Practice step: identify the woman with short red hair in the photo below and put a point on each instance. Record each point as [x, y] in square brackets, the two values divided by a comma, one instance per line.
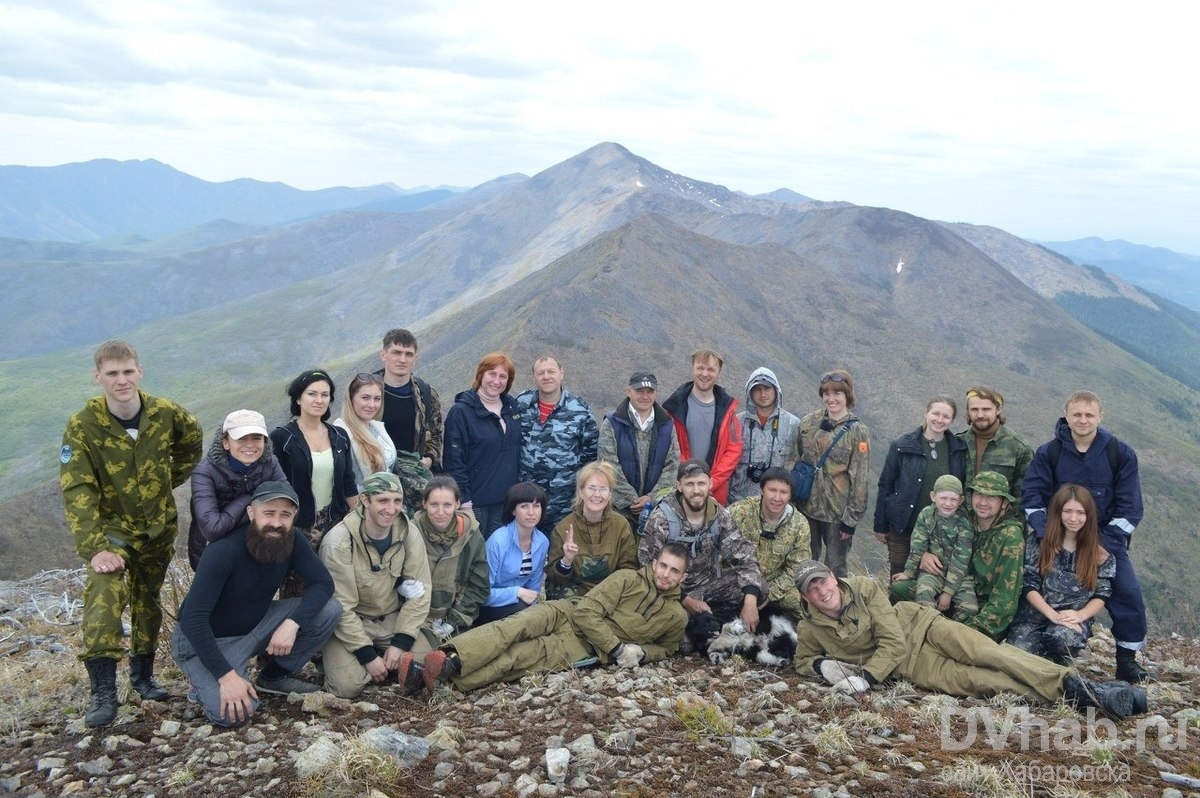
[483, 441]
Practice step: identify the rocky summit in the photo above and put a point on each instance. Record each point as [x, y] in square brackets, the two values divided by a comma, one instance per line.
[679, 728]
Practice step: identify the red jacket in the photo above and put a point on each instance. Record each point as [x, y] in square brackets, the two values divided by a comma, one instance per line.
[725, 446]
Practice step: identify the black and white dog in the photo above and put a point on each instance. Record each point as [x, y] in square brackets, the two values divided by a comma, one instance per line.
[774, 644]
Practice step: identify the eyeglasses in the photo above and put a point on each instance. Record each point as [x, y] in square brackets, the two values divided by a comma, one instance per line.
[597, 490]
[366, 376]
[834, 376]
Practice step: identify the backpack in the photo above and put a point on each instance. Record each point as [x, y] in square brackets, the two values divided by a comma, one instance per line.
[675, 533]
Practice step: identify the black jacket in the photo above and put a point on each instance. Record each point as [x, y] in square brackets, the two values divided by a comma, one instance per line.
[901, 480]
[296, 460]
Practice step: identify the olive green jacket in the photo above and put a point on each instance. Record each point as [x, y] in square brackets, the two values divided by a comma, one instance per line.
[117, 490]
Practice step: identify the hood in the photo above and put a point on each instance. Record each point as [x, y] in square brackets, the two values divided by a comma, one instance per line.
[763, 375]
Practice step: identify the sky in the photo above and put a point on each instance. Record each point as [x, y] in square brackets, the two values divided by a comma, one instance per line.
[1052, 121]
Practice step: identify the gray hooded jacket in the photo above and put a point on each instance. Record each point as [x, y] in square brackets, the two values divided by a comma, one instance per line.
[766, 445]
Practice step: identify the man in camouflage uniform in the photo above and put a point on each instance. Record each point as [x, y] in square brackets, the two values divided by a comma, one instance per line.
[996, 566]
[991, 446]
[121, 457]
[779, 533]
[723, 576]
[559, 435]
[638, 438]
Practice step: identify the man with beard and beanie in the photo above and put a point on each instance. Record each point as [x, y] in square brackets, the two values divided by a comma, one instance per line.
[381, 577]
[229, 614]
[723, 574]
[631, 618]
[768, 435]
[121, 456]
[991, 446]
[853, 638]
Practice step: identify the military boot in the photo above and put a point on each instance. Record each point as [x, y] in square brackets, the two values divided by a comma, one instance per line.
[1128, 669]
[1115, 699]
[102, 709]
[141, 678]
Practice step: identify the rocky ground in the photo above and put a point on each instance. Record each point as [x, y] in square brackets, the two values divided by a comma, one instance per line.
[680, 728]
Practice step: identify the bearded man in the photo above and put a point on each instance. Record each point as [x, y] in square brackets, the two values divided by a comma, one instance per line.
[229, 615]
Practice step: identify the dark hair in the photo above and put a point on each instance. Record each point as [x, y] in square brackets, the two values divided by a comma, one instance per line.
[521, 493]
[297, 387]
[441, 482]
[679, 550]
[777, 474]
[399, 336]
[941, 399]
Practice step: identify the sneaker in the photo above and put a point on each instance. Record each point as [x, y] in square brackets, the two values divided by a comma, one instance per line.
[410, 675]
[440, 668]
[284, 685]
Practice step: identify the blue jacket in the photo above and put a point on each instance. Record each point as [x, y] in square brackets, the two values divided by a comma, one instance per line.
[1118, 496]
[900, 481]
[484, 459]
[627, 450]
[504, 565]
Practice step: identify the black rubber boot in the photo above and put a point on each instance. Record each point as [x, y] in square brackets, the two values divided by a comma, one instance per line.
[1128, 669]
[141, 678]
[1115, 699]
[102, 709]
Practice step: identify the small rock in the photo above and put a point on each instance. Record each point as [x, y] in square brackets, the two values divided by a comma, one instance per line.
[169, 728]
[404, 748]
[741, 748]
[557, 760]
[97, 767]
[50, 762]
[254, 735]
[317, 758]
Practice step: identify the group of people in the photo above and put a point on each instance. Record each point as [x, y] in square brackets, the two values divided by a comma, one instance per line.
[518, 534]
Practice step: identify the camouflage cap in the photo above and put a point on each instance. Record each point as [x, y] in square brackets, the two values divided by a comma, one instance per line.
[948, 482]
[991, 483]
[382, 482]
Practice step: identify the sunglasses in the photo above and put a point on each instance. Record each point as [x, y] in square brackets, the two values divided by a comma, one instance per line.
[366, 376]
[834, 376]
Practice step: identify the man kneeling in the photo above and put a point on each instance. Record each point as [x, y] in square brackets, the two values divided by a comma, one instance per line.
[855, 639]
[630, 618]
[229, 616]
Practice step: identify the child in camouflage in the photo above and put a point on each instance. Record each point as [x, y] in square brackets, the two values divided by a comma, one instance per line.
[943, 531]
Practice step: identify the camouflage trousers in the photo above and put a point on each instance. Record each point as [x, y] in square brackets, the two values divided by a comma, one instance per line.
[1033, 632]
[138, 587]
[926, 588]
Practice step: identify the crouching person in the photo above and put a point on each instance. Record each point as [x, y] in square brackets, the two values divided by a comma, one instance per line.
[381, 579]
[854, 639]
[229, 615]
[630, 618]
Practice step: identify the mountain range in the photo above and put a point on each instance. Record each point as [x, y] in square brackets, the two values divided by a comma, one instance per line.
[614, 264]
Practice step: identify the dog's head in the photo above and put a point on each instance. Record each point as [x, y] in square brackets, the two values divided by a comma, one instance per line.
[702, 629]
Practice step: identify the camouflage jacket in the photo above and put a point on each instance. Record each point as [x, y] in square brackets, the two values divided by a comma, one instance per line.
[117, 490]
[996, 571]
[839, 492]
[717, 542]
[1061, 588]
[950, 539]
[780, 555]
[551, 453]
[1007, 453]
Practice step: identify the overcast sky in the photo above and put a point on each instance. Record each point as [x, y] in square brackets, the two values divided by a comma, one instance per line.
[1053, 121]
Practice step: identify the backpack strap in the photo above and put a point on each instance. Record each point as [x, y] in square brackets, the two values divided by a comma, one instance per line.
[832, 443]
[1111, 450]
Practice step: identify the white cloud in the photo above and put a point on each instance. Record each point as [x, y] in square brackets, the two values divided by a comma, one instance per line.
[1034, 118]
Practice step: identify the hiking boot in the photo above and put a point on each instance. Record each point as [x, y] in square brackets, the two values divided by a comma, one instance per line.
[1128, 669]
[410, 675]
[102, 708]
[1115, 699]
[440, 668]
[284, 685]
[141, 678]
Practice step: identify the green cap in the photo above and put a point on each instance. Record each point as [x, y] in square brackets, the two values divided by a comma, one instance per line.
[948, 482]
[381, 482]
[991, 483]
